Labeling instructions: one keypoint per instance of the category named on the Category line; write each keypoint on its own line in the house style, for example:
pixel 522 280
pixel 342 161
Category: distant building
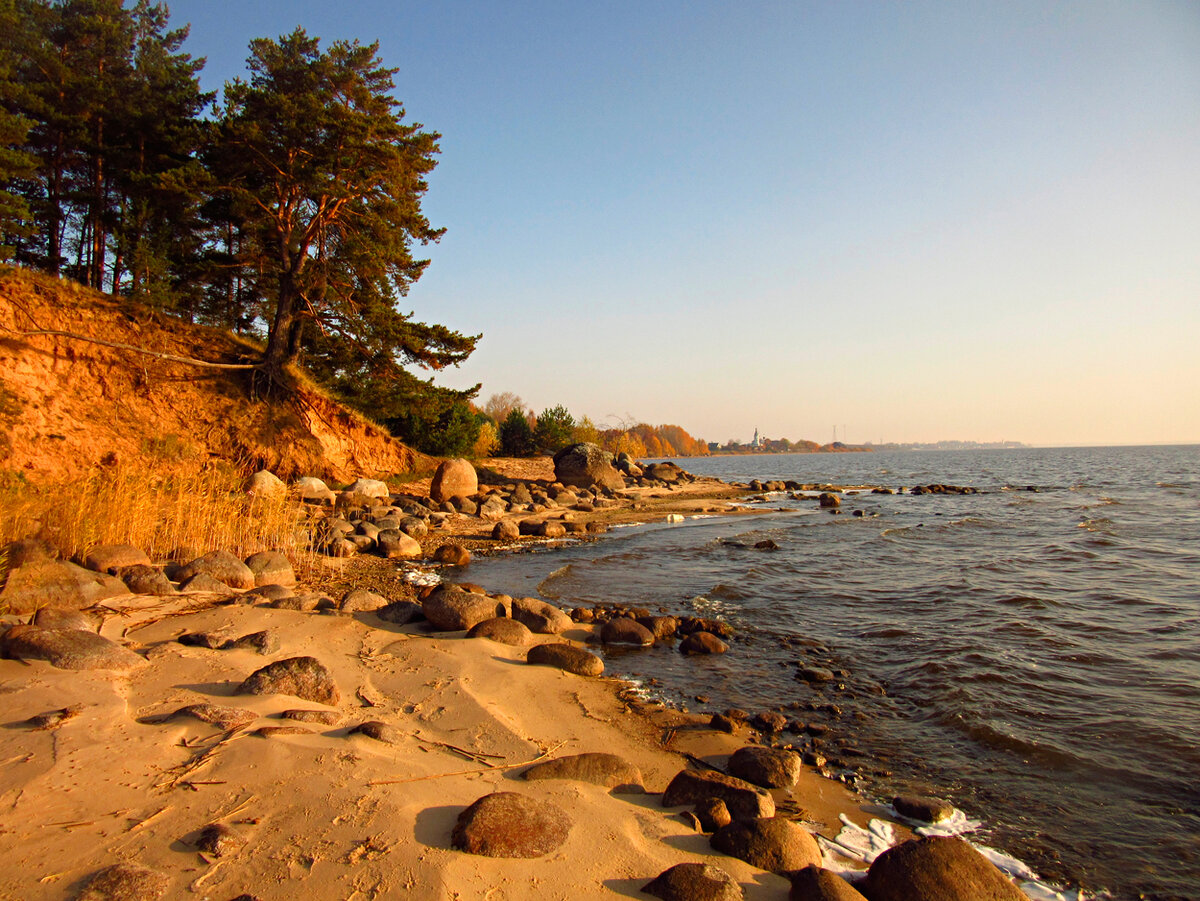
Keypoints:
pixel 756 443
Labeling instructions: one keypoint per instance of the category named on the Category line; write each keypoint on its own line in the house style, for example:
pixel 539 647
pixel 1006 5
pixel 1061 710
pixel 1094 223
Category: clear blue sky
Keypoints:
pixel 914 220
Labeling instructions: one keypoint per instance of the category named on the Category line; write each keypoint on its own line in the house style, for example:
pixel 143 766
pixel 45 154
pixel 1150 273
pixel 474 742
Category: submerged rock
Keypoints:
pixel 923 809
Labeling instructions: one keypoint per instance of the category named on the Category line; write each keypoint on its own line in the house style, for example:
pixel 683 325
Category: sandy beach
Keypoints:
pixel 315 810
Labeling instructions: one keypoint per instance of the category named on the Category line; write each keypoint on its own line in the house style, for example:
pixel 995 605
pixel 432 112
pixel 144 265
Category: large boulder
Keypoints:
pixel 266 484
pixel 271 568
pixel 816 884
pixel 663 472
pixel 745 801
pixel 450 609
pixel 222 566
pixel 937 868
pixel 506 824
pixel 301 677
pixel 398 546
pixel 144 579
pixel 775 844
pixel 566 657
pixel 598 768
pixel 587 466
pixel 68 649
pixel 370 488
pixel 922 809
pixel 540 617
pixel 768 767
pixel 52 583
pixel 694 882
pixel 108 558
pixel 313 490
pixel 453 478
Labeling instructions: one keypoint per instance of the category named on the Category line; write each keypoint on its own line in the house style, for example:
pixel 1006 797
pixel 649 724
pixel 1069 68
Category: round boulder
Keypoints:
pixel 937 868
pixel 452 554
pixel 506 824
pixel 923 809
pixel 398 546
pixel 222 566
pixel 694 882
pixel 503 630
pixel 775 844
pixel 370 488
pixel 108 558
pixel 271 568
pixel 816 884
pixel 144 579
pixel 566 657
pixel 768 767
pixel 743 800
pixel 540 617
pixel 453 478
pixel 450 609
pixel 266 484
pixel 301 677
pixel 506 530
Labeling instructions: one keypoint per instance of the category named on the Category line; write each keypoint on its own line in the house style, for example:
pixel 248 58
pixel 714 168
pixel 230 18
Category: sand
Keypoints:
pixel 328 814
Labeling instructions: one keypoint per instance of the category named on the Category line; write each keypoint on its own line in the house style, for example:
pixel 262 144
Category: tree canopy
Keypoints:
pixel 289 211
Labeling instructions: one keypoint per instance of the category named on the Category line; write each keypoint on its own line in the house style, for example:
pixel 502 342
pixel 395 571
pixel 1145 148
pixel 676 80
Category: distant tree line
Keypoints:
pixel 287 209
pixel 509 429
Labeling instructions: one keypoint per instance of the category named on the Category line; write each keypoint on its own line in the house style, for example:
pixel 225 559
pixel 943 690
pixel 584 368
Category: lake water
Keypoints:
pixel 1031 655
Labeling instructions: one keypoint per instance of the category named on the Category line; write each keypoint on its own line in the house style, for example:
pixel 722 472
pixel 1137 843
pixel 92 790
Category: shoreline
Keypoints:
pixel 459 724
pixel 320 811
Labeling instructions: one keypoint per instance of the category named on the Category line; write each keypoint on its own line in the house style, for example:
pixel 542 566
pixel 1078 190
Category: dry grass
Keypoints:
pixel 169 508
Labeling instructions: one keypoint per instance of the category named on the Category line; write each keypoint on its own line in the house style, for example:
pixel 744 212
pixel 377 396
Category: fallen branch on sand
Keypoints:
pixel 491 768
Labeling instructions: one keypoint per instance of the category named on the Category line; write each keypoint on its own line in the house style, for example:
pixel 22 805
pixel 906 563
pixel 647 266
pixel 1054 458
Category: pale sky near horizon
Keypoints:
pixel 914 222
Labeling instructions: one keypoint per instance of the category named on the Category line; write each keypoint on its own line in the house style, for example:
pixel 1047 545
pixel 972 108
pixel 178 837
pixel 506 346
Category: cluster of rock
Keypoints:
pixel 59 593
pixel 738 812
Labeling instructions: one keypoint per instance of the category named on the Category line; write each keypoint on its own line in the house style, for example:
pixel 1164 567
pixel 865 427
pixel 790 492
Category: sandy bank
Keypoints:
pixel 329 814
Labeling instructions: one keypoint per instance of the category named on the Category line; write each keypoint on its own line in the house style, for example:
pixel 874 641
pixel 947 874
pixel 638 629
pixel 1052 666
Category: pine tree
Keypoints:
pixel 325 181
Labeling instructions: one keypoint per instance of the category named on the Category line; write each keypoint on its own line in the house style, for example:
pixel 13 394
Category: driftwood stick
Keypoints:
pixel 492 768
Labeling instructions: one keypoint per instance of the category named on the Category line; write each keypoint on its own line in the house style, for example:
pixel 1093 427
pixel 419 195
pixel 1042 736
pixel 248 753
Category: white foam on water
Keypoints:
pixel 422 577
pixel 855 846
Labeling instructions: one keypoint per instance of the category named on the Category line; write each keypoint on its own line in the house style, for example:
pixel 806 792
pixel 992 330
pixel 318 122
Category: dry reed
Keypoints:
pixel 170 509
